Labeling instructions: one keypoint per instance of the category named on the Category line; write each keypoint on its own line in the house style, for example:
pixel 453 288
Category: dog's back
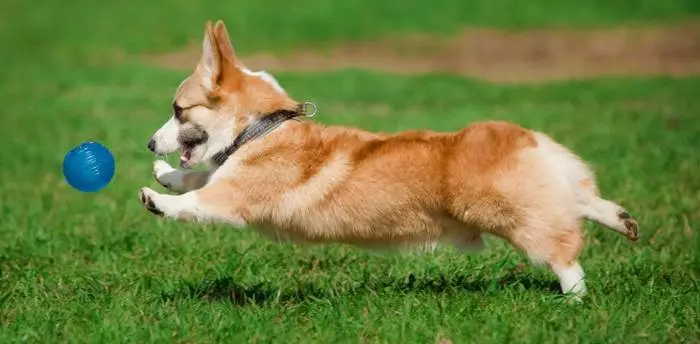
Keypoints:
pixel 416 189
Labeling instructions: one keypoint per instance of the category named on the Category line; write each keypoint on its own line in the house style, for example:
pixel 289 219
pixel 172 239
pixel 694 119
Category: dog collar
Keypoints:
pixel 262 127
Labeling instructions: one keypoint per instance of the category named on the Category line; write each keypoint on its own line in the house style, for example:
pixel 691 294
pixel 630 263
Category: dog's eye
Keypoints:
pixel 177 112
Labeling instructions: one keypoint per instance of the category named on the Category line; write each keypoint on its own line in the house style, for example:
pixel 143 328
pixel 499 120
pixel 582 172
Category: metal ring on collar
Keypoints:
pixel 306 109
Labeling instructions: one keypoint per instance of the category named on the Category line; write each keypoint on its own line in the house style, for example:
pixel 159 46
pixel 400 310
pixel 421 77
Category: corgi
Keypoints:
pixel 272 168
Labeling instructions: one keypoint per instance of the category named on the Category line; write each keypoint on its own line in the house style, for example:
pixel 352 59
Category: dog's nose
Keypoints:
pixel 152 145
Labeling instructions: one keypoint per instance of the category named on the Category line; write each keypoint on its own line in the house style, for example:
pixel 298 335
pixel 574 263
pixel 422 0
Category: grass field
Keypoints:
pixel 98 268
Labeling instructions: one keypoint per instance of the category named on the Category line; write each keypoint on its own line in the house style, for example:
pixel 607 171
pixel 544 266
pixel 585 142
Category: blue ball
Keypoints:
pixel 88 167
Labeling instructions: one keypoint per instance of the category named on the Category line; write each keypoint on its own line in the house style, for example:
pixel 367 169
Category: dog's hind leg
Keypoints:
pixel 176 180
pixel 558 248
pixel 606 213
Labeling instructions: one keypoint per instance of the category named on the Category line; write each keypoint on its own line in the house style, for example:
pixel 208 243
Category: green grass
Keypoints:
pixel 98 268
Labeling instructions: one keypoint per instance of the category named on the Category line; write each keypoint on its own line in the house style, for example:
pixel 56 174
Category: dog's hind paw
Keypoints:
pixel 631 226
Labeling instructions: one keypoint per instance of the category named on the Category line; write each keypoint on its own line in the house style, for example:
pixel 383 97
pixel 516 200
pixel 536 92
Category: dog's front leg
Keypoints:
pixel 176 180
pixel 191 206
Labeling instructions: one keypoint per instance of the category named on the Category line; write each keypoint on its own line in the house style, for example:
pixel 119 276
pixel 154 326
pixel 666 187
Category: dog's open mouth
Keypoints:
pixel 186 157
pixel 190 138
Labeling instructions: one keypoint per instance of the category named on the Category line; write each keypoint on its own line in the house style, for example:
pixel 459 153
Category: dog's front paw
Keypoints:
pixel 146 197
pixel 160 169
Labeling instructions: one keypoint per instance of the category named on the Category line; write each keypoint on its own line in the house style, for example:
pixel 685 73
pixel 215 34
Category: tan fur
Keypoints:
pixel 307 182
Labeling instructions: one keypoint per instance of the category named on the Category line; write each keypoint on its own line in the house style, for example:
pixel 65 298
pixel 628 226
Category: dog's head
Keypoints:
pixel 218 100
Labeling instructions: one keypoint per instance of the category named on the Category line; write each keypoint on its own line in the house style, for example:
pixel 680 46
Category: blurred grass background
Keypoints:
pixel 97 268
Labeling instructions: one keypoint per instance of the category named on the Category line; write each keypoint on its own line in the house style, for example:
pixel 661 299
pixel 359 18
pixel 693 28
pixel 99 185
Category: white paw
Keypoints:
pixel 147 196
pixel 160 168
pixel 572 299
pixel 170 178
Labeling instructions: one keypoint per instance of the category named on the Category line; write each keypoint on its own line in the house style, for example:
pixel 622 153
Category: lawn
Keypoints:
pixel 98 268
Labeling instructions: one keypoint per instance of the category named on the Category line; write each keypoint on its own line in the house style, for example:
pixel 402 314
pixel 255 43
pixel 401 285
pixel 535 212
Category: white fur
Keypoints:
pixel 571 172
pixel 166 137
pixel 174 206
pixel 221 135
pixel 267 77
pixel 162 168
pixel 188 205
pixel 571 279
pixel 208 63
pixel 568 169
pixel 605 213
pixel 167 175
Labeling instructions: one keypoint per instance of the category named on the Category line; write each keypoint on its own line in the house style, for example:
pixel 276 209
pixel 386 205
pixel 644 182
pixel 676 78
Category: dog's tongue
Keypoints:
pixel 185 158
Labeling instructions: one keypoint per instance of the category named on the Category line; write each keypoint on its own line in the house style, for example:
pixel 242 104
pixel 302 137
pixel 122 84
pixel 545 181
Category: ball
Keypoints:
pixel 89 167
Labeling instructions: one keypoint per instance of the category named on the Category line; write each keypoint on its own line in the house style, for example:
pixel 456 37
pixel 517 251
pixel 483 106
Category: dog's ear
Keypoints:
pixel 211 59
pixel 224 43
pixel 219 63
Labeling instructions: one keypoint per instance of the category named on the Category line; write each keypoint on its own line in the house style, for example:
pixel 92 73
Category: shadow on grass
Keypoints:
pixel 226 289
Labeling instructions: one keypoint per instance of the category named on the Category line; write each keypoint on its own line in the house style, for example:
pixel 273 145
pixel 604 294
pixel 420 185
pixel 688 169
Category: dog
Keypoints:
pixel 272 168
